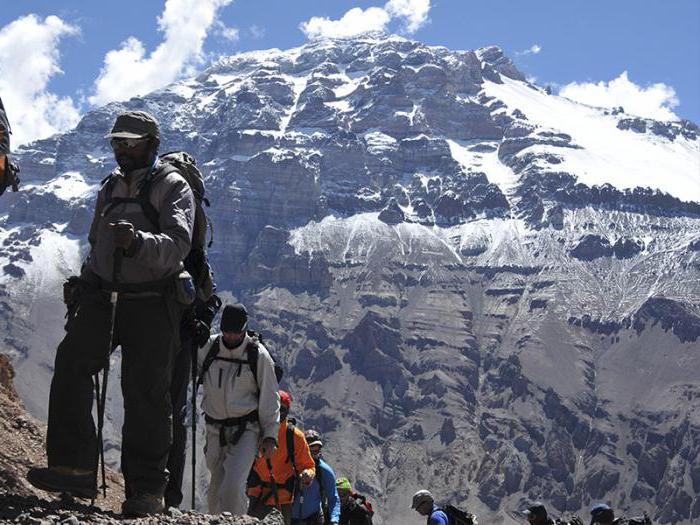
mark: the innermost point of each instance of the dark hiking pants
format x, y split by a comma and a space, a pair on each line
148, 331
178, 394
260, 511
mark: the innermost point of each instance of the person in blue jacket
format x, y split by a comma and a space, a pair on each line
424, 504
317, 504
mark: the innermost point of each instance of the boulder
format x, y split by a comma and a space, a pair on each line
591, 247
392, 213
625, 248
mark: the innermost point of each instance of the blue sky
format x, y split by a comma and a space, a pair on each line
657, 42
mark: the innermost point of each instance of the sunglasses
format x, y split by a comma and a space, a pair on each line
125, 143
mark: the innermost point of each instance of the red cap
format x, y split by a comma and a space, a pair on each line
285, 398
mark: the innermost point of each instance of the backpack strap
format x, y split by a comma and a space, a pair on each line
208, 360
319, 478
253, 352
142, 197
291, 425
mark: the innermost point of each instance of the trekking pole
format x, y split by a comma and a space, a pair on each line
274, 485
194, 420
102, 400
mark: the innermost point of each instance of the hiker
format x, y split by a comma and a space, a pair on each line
354, 508
241, 409
536, 514
318, 504
424, 504
603, 514
134, 269
195, 330
274, 482
8, 170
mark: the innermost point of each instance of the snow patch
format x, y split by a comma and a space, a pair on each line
487, 162
609, 155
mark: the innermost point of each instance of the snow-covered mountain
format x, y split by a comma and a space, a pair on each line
475, 286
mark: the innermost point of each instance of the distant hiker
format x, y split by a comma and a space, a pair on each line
603, 514
135, 267
241, 409
8, 170
319, 504
354, 508
536, 514
424, 504
274, 482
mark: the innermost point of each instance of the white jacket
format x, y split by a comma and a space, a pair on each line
228, 393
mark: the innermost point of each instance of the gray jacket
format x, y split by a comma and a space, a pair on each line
4, 131
161, 252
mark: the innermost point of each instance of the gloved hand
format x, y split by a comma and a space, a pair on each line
8, 174
71, 291
201, 333
125, 237
306, 478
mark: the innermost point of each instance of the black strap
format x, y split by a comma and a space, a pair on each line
256, 481
143, 197
240, 422
321, 491
208, 360
162, 286
291, 425
251, 360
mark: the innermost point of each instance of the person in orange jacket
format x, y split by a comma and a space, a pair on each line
292, 466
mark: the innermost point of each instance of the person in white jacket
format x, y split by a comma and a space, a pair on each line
241, 409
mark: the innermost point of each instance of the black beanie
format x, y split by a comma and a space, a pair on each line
234, 318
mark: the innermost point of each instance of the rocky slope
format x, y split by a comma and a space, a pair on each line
474, 286
23, 440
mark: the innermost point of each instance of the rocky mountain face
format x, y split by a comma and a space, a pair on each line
474, 286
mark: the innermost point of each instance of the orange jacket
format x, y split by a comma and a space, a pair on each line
285, 478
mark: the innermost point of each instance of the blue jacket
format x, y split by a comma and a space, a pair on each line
437, 517
312, 495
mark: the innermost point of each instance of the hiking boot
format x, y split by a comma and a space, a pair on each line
76, 482
142, 505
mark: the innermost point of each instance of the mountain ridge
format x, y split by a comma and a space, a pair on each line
462, 302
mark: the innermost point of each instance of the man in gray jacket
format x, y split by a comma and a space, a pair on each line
241, 407
146, 324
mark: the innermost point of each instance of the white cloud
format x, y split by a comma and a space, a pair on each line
29, 59
354, 22
256, 31
654, 101
532, 50
413, 14
128, 71
227, 33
